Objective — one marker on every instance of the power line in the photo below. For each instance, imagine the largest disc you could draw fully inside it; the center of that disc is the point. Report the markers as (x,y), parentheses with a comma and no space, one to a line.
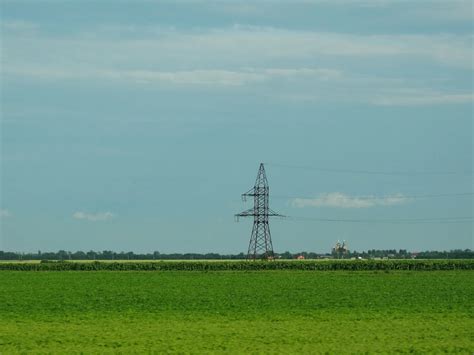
(468,219)
(391,221)
(460,194)
(371,172)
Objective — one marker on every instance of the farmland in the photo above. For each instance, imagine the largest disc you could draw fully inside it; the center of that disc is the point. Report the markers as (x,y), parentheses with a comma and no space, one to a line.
(278,311)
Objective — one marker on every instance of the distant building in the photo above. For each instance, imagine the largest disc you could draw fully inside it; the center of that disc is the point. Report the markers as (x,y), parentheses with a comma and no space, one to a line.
(340,249)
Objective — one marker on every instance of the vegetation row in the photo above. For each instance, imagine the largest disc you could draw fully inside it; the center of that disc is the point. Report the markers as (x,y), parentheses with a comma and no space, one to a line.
(156,255)
(319,265)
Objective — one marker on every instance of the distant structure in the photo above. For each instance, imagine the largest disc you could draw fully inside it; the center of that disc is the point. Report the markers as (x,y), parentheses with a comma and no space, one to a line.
(340,249)
(260,245)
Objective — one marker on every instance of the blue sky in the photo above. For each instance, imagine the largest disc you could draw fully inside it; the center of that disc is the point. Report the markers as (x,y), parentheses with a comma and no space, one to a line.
(137,125)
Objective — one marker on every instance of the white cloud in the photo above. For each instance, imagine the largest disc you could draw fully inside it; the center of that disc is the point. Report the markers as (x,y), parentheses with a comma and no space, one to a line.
(240,56)
(188,77)
(310,73)
(143,48)
(340,200)
(100,216)
(382,93)
(5,213)
(22,27)
(423,98)
(291,84)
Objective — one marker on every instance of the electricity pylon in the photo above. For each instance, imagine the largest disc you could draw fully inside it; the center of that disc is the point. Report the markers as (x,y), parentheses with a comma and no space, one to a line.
(260,245)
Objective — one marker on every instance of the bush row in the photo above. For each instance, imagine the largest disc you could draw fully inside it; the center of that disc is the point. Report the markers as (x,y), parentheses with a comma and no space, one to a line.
(320,265)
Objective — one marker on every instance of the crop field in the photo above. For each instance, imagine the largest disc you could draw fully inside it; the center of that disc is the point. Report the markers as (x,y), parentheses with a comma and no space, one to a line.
(282,311)
(242,265)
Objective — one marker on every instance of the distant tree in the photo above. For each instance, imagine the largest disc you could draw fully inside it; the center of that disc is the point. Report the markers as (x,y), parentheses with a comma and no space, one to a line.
(107,255)
(286,255)
(62,255)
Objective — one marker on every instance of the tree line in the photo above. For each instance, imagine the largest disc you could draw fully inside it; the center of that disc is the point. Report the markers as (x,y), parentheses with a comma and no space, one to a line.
(156,255)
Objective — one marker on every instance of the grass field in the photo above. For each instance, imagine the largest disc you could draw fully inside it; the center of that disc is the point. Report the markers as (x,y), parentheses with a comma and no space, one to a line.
(236,312)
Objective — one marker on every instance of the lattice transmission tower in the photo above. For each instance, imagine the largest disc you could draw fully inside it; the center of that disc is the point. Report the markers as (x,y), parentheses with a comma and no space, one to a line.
(260,245)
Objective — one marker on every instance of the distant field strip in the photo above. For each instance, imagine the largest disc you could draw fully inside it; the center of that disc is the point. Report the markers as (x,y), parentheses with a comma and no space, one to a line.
(315,265)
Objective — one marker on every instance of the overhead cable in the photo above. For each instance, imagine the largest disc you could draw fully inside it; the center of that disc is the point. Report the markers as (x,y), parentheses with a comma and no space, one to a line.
(393,221)
(398,195)
(370,172)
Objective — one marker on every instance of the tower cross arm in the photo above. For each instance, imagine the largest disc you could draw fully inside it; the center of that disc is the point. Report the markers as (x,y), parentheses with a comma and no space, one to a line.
(272,213)
(250,192)
(248,213)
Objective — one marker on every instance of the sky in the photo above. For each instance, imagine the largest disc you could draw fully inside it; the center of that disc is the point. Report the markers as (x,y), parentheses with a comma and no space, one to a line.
(136,126)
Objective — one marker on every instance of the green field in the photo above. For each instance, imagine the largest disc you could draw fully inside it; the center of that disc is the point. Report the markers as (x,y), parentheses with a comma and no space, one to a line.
(236,312)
